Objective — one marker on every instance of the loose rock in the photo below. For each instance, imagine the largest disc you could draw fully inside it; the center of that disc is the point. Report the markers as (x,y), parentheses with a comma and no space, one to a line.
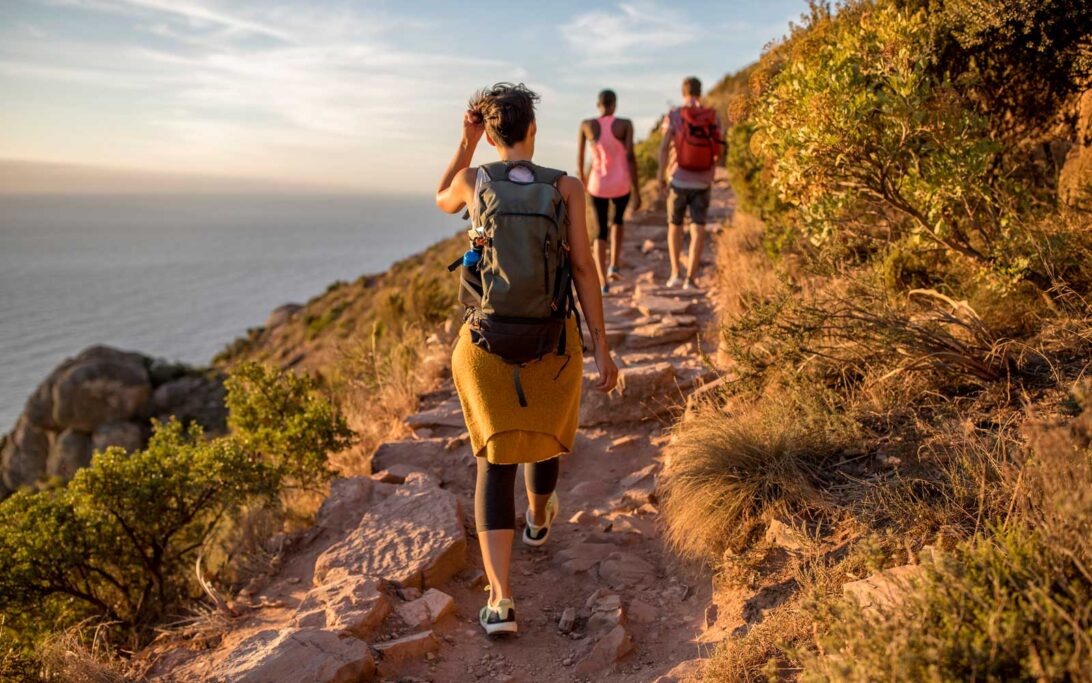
(413,537)
(409,647)
(274,656)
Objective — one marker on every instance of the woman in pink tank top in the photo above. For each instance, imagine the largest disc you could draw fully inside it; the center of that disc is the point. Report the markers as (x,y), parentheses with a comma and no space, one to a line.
(610,181)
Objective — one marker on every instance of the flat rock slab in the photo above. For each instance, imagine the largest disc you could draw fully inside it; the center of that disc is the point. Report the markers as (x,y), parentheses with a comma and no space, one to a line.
(583,557)
(408,647)
(885,589)
(644,394)
(447,414)
(650,304)
(657,334)
(349,499)
(353,603)
(626,570)
(312,655)
(414,537)
(434,456)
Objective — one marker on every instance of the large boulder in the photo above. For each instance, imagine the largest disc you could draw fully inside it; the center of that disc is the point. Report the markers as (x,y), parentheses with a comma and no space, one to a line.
(192,398)
(127,435)
(414,537)
(312,655)
(101,385)
(25,453)
(645,392)
(71,450)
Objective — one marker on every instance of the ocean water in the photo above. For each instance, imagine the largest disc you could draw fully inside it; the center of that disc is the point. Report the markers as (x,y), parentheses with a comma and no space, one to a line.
(178,276)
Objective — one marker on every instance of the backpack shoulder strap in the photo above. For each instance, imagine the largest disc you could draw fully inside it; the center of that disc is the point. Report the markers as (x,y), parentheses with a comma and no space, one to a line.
(497,170)
(549,176)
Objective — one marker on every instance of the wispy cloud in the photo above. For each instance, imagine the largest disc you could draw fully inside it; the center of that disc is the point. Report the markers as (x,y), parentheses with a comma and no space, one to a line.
(631,33)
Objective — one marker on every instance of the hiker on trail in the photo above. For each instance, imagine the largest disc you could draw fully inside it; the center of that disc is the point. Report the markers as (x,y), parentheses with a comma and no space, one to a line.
(612,180)
(518,362)
(689,151)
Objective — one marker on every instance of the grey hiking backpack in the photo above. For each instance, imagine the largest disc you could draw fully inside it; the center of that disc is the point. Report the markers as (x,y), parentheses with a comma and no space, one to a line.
(519,293)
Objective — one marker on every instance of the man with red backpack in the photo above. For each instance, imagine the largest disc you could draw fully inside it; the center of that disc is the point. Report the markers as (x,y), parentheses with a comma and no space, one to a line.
(689,151)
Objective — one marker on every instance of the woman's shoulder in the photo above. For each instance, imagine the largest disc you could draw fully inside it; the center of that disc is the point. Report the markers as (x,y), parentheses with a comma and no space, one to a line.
(569,185)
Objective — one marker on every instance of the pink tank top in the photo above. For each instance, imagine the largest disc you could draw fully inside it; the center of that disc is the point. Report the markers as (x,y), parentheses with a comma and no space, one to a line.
(609,176)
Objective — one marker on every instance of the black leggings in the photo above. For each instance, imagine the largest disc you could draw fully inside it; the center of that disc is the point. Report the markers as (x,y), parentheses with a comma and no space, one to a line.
(602,212)
(495,496)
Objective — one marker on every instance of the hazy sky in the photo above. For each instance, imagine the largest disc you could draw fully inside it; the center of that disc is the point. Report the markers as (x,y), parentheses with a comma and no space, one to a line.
(350,94)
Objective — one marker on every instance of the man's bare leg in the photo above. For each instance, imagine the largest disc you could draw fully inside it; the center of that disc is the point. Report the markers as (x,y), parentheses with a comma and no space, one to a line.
(674,247)
(697,241)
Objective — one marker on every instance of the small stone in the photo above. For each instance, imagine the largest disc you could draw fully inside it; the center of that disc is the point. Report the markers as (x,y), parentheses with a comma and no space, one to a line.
(641,612)
(885,589)
(780,533)
(567,620)
(647,247)
(610,648)
(411,593)
(582,517)
(408,647)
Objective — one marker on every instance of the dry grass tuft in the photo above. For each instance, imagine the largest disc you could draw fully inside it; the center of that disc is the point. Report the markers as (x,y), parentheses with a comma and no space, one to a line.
(79,654)
(724,472)
(745,273)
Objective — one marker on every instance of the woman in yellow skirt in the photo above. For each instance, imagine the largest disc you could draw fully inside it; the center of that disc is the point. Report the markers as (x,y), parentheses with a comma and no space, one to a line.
(503,432)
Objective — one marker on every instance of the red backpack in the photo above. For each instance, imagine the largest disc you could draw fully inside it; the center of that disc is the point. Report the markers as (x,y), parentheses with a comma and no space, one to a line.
(696,138)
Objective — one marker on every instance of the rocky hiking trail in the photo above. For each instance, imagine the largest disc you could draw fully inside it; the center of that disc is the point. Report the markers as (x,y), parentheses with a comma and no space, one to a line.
(388,583)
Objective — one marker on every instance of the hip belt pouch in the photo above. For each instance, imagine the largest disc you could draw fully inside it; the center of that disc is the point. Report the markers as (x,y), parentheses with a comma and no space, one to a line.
(516,340)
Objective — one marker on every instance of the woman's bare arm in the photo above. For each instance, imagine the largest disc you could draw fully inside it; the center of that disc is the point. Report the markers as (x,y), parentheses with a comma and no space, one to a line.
(457,182)
(631,157)
(587,281)
(580,143)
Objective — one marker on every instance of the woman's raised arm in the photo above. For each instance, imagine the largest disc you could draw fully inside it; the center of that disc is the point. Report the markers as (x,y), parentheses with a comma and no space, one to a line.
(457,183)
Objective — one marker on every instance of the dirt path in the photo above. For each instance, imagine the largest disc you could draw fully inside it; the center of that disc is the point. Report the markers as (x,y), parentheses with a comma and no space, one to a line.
(639,614)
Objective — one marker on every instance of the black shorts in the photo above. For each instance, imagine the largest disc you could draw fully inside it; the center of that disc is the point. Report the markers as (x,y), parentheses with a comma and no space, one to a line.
(602,209)
(680,200)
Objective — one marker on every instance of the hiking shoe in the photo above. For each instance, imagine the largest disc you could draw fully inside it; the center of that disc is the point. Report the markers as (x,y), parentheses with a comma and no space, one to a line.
(498,618)
(613,274)
(605,289)
(535,536)
(674,282)
(688,283)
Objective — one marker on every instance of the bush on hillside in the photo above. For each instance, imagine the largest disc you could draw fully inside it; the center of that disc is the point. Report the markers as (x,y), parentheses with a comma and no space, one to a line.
(725,472)
(120,541)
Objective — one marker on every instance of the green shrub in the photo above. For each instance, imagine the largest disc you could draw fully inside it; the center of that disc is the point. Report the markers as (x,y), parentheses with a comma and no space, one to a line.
(647,152)
(1007,608)
(281,416)
(120,541)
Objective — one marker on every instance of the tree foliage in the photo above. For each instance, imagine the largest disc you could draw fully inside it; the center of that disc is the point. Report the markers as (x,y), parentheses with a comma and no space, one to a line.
(119,542)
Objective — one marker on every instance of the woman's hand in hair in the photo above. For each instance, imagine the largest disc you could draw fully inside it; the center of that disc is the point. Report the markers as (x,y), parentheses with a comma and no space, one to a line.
(473,127)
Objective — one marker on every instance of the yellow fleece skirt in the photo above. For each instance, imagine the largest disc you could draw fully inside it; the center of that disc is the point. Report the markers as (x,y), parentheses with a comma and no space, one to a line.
(500,429)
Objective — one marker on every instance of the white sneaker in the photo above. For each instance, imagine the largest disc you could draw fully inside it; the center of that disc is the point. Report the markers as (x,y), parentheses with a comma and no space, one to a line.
(687,283)
(674,282)
(535,536)
(498,618)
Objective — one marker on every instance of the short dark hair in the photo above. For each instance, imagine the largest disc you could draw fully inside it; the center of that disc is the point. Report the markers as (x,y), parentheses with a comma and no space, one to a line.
(607,98)
(691,86)
(507,111)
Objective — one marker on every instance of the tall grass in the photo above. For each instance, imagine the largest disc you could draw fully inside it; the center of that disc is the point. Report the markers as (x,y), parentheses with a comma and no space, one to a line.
(726,472)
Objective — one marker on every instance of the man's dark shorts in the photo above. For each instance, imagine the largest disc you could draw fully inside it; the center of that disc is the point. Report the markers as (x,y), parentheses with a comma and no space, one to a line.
(680,199)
